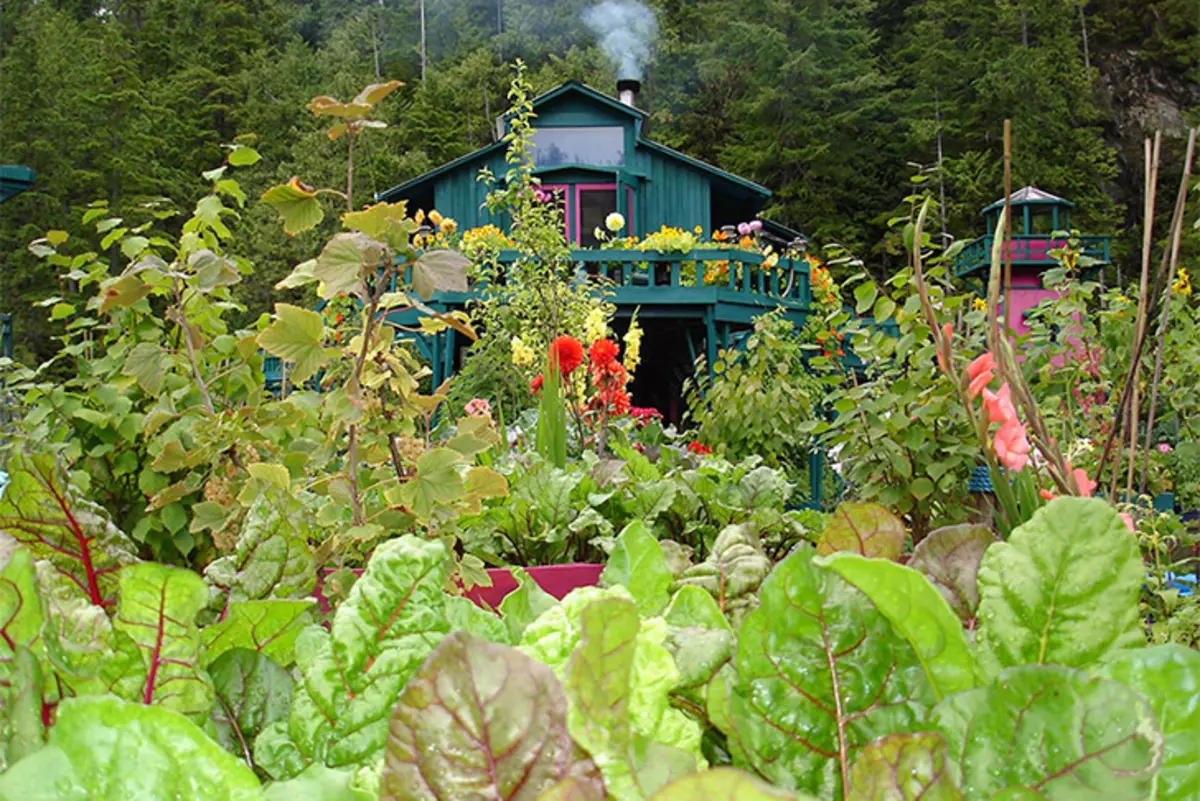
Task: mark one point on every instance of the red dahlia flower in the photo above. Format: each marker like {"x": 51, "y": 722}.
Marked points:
{"x": 568, "y": 353}
{"x": 603, "y": 352}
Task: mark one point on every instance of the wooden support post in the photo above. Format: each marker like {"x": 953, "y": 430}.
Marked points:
{"x": 710, "y": 340}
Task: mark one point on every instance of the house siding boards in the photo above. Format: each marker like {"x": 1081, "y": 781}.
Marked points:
{"x": 676, "y": 195}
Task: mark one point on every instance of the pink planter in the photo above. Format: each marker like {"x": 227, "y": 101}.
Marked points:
{"x": 557, "y": 580}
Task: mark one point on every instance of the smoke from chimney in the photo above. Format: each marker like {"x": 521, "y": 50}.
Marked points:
{"x": 626, "y": 29}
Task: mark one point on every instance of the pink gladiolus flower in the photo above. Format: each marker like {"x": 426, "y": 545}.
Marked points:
{"x": 1086, "y": 485}
{"x": 981, "y": 373}
{"x": 1127, "y": 519}
{"x": 478, "y": 407}
{"x": 999, "y": 405}
{"x": 1047, "y": 495}
{"x": 1011, "y": 445}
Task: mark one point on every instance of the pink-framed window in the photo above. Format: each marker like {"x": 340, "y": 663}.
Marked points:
{"x": 592, "y": 204}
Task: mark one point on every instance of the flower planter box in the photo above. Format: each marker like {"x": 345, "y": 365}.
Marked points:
{"x": 557, "y": 580}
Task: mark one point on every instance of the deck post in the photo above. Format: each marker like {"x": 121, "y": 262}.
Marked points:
{"x": 710, "y": 340}
{"x": 816, "y": 476}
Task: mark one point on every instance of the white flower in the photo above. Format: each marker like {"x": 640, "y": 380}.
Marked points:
{"x": 614, "y": 222}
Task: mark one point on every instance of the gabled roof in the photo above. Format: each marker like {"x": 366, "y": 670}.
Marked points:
{"x": 449, "y": 166}
{"x": 576, "y": 87}
{"x": 1030, "y": 196}
{"x": 14, "y": 179}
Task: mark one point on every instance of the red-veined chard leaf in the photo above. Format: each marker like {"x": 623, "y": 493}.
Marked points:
{"x": 481, "y": 720}
{"x": 600, "y": 684}
{"x": 639, "y": 565}
{"x": 1063, "y": 590}
{"x": 103, "y": 747}
{"x": 1168, "y": 677}
{"x": 157, "y": 611}
{"x": 42, "y": 511}
{"x": 949, "y": 557}
{"x": 863, "y": 528}
{"x": 820, "y": 673}
{"x": 252, "y": 692}
{"x": 722, "y": 784}
{"x": 573, "y": 790}
{"x": 270, "y": 627}
{"x": 733, "y": 572}
{"x": 903, "y": 767}
{"x": 463, "y": 615}
{"x": 524, "y": 605}
{"x": 918, "y": 613}
{"x": 351, "y": 676}
{"x": 1053, "y": 731}
{"x": 22, "y": 725}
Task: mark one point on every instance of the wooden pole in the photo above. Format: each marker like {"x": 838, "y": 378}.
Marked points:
{"x": 1176, "y": 239}
{"x": 1007, "y": 225}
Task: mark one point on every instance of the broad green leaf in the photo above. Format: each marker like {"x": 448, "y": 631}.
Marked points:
{"x": 439, "y": 271}
{"x": 573, "y": 790}
{"x": 437, "y": 481}
{"x": 105, "y": 748}
{"x": 269, "y": 627}
{"x": 145, "y": 363}
{"x": 243, "y": 156}
{"x": 949, "y": 557}
{"x": 600, "y": 684}
{"x": 918, "y": 613}
{"x": 733, "y": 571}
{"x": 484, "y": 482}
{"x": 720, "y": 784}
{"x": 1053, "y": 731}
{"x": 699, "y": 653}
{"x": 22, "y": 731}
{"x": 1168, "y": 677}
{"x": 383, "y": 221}
{"x": 1063, "y": 590}
{"x": 319, "y": 783}
{"x": 373, "y": 93}
{"x": 297, "y": 205}
{"x": 50, "y": 517}
{"x": 638, "y": 564}
{"x": 212, "y": 271}
{"x": 903, "y": 767}
{"x": 864, "y": 296}
{"x": 21, "y": 613}
{"x": 652, "y": 498}
{"x": 272, "y": 559}
{"x": 343, "y": 262}
{"x": 351, "y": 675}
{"x": 864, "y": 528}
{"x": 252, "y": 692}
{"x": 121, "y": 293}
{"x": 157, "y": 611}
{"x": 692, "y": 607}
{"x": 481, "y": 720}
{"x": 820, "y": 673}
{"x": 275, "y": 474}
{"x": 464, "y": 615}
{"x": 524, "y": 605}
{"x": 297, "y": 335}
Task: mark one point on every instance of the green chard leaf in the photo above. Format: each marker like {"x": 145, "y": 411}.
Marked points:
{"x": 1063, "y": 590}
{"x": 600, "y": 684}
{"x": 464, "y": 615}
{"x": 863, "y": 528}
{"x": 733, "y": 572}
{"x": 821, "y": 673}
{"x": 319, "y": 783}
{"x": 524, "y": 605}
{"x": 720, "y": 784}
{"x": 351, "y": 676}
{"x": 252, "y": 692}
{"x": 1053, "y": 733}
{"x": 949, "y": 557}
{"x": 481, "y": 720}
{"x": 918, "y": 613}
{"x": 1168, "y": 677}
{"x": 903, "y": 767}
{"x": 638, "y": 564}
{"x": 22, "y": 729}
{"x": 157, "y": 611}
{"x": 42, "y": 511}
{"x": 103, "y": 747}
{"x": 269, "y": 627}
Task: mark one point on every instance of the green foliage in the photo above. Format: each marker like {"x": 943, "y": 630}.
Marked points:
{"x": 904, "y": 767}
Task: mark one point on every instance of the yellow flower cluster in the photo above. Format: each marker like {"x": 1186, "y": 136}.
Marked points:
{"x": 595, "y": 326}
{"x": 633, "y": 345}
{"x": 979, "y": 304}
{"x": 668, "y": 239}
{"x": 485, "y": 239}
{"x": 522, "y": 354}
{"x": 1183, "y": 284}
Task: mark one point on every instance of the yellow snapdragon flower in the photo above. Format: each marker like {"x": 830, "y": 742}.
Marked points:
{"x": 595, "y": 326}
{"x": 522, "y": 354}
{"x": 633, "y": 345}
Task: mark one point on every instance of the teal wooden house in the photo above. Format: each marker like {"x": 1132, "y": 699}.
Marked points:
{"x": 591, "y": 153}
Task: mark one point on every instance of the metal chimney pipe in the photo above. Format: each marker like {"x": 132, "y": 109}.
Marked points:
{"x": 627, "y": 90}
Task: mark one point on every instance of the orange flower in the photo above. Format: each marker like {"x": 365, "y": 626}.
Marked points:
{"x": 568, "y": 352}
{"x": 603, "y": 352}
{"x": 999, "y": 405}
{"x": 980, "y": 373}
{"x": 1011, "y": 445}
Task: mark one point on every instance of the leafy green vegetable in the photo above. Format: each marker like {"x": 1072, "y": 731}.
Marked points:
{"x": 524, "y": 605}
{"x": 103, "y": 747}
{"x": 319, "y": 783}
{"x": 691, "y": 606}
{"x": 733, "y": 571}
{"x": 721, "y": 784}
{"x": 918, "y": 614}
{"x": 903, "y": 767}
{"x": 252, "y": 692}
{"x": 481, "y": 720}
{"x": 466, "y": 616}
{"x": 1168, "y": 677}
{"x": 949, "y": 557}
{"x": 22, "y": 730}
{"x": 601, "y": 685}
{"x": 820, "y": 673}
{"x": 1053, "y": 731}
{"x": 270, "y": 627}
{"x": 863, "y": 528}
{"x": 42, "y": 511}
{"x": 351, "y": 676}
{"x": 638, "y": 564}
{"x": 157, "y": 611}
{"x": 1063, "y": 590}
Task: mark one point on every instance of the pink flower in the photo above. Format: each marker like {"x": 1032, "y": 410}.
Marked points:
{"x": 744, "y": 229}
{"x": 478, "y": 407}
{"x": 1127, "y": 519}
{"x": 999, "y": 405}
{"x": 1085, "y": 485}
{"x": 755, "y": 226}
{"x": 1011, "y": 445}
{"x": 1164, "y": 448}
{"x": 1047, "y": 495}
{"x": 981, "y": 373}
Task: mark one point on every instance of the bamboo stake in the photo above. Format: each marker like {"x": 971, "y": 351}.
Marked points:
{"x": 1176, "y": 239}
{"x": 1143, "y": 290}
{"x": 1007, "y": 226}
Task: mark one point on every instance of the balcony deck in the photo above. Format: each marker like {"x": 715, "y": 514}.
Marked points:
{"x": 1027, "y": 250}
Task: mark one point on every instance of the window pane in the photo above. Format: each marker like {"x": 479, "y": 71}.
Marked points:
{"x": 600, "y": 147}
{"x": 594, "y": 206}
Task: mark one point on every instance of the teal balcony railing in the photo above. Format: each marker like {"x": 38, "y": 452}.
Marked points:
{"x": 1033, "y": 250}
